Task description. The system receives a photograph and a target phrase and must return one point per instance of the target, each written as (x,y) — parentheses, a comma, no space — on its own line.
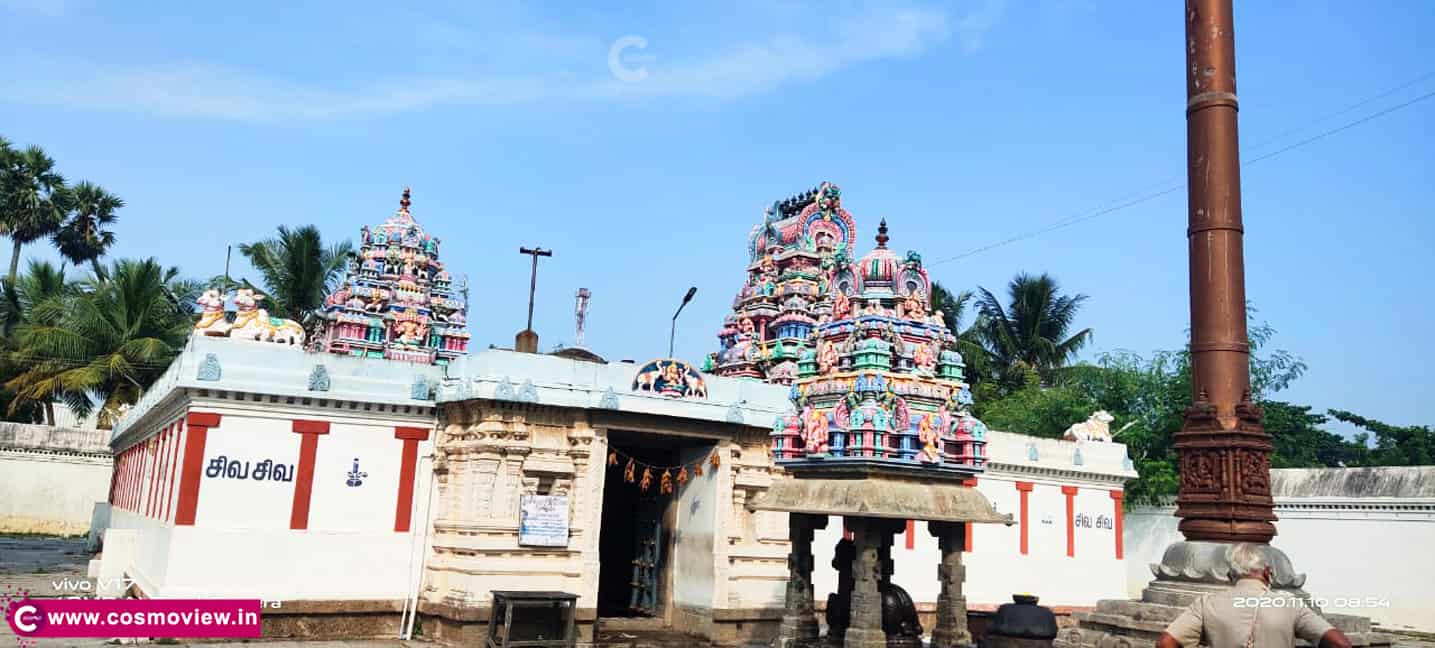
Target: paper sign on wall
(543,521)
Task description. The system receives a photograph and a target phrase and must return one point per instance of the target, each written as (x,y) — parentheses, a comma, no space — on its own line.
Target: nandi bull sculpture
(250,321)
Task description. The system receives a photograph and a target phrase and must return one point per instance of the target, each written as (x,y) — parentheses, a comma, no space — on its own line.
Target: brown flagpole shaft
(1225,454)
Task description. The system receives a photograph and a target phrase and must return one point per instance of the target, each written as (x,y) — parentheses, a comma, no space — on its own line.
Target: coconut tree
(106,342)
(32,199)
(954,307)
(1032,331)
(83,237)
(34,295)
(297,271)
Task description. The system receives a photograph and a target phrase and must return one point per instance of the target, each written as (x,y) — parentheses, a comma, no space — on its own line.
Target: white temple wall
(51,478)
(1350,551)
(996,566)
(261,538)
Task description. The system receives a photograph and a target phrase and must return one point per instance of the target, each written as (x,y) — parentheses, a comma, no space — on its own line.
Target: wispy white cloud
(757,65)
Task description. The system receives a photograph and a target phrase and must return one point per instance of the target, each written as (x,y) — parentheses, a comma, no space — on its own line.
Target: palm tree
(32,199)
(35,295)
(298,271)
(969,340)
(104,343)
(1029,334)
(83,238)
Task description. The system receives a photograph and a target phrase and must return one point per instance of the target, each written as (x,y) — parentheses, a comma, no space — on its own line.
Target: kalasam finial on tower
(882,234)
(405,202)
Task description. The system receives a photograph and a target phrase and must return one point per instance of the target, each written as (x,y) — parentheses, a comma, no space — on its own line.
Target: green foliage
(83,237)
(1148,397)
(1395,445)
(1032,331)
(33,200)
(297,271)
(101,341)
(1301,443)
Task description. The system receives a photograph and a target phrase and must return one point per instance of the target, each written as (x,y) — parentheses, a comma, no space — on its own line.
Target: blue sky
(644,166)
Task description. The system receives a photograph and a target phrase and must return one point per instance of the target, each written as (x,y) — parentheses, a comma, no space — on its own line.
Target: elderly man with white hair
(1250,614)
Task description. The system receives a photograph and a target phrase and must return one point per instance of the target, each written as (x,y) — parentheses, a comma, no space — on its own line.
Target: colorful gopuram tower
(879,382)
(792,255)
(397,301)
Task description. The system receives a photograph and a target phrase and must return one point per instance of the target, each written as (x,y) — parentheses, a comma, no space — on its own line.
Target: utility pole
(1224,451)
(581,314)
(527,340)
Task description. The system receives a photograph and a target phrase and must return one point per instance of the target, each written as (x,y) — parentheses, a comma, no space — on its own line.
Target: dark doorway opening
(635,539)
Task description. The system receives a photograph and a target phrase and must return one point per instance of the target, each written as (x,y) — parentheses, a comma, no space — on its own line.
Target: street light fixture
(673,331)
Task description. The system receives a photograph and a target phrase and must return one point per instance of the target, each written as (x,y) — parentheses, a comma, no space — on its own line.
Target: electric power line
(1073,220)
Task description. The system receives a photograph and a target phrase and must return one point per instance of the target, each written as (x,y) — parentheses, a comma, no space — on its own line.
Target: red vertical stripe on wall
(137,479)
(124,493)
(1070,493)
(304,482)
(199,424)
(169,441)
(173,463)
(1117,497)
(408,467)
(911,534)
(1025,488)
(132,478)
(159,448)
(142,459)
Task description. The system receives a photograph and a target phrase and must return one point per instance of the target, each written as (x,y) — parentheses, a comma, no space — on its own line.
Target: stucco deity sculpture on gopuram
(397,301)
(801,244)
(877,380)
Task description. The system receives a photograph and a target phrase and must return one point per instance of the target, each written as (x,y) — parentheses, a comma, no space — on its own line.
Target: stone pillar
(865,628)
(951,629)
(799,622)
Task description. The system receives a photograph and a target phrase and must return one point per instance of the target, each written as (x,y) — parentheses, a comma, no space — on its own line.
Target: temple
(792,255)
(397,302)
(879,383)
(662,498)
(881,436)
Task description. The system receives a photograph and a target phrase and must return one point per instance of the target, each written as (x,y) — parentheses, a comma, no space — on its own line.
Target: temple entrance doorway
(647,538)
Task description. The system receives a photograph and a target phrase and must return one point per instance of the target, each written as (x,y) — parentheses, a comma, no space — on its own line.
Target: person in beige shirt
(1249,614)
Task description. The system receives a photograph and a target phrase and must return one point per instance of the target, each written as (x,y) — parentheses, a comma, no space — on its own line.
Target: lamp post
(674,330)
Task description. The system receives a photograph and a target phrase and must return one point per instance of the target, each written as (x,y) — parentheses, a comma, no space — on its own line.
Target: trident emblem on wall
(356,478)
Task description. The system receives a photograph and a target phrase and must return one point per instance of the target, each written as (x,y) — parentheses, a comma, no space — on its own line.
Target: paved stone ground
(38,563)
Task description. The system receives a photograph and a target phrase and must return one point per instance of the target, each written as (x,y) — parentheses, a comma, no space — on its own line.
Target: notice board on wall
(543,521)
